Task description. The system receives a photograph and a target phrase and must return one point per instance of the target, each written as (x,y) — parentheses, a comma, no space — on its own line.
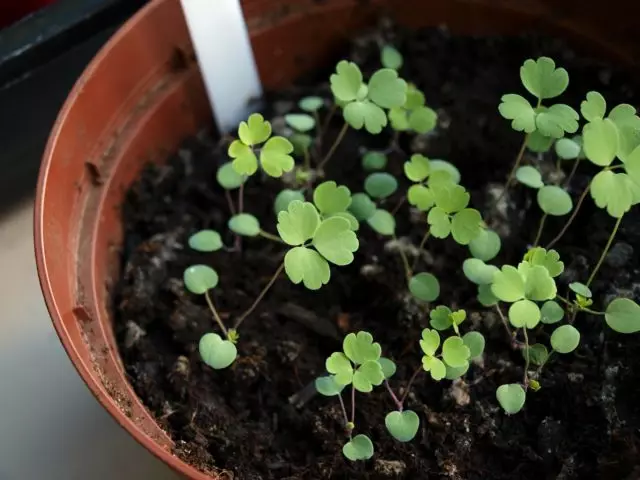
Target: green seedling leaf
(475,341)
(436,367)
(206,241)
(390,57)
(444,166)
(486,296)
(466,225)
(455,353)
(551,312)
(335,240)
(524,313)
(453,373)
(539,143)
(415,98)
(556,120)
(542,79)
(600,139)
(382,222)
(628,124)
(439,222)
(565,339)
(358,448)
(353,221)
(478,272)
(529,176)
(328,386)
(399,119)
(417,168)
(362,207)
(539,285)
(402,426)
(275,158)
(284,199)
(380,185)
(486,245)
(302,264)
(365,114)
(421,197)
(368,375)
(423,120)
(508,284)
(346,82)
(569,148)
(430,342)
(612,191)
(331,198)
(244,224)
(298,223)
(255,130)
(623,315)
(386,89)
(374,161)
(580,289)
(244,161)
(301,143)
(228,178)
(388,367)
(199,279)
(554,201)
(537,354)
(425,287)
(340,366)
(360,347)
(594,107)
(311,104)
(511,397)
(216,352)
(440,177)
(300,122)
(518,109)
(441,318)
(458,317)
(549,259)
(450,197)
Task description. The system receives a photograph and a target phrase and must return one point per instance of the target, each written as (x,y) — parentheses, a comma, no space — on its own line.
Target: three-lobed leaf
(466,225)
(386,89)
(360,347)
(455,352)
(542,79)
(275,156)
(335,240)
(298,223)
(302,264)
(612,191)
(518,109)
(594,107)
(557,120)
(346,82)
(330,198)
(430,342)
(417,168)
(255,130)
(600,141)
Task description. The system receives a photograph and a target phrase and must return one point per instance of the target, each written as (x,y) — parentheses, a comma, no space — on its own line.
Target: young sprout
(511,397)
(450,214)
(206,241)
(390,57)
(274,152)
(425,287)
(359,447)
(623,316)
(413,115)
(332,200)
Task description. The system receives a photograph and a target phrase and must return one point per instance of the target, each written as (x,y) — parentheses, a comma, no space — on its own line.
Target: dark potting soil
(255,421)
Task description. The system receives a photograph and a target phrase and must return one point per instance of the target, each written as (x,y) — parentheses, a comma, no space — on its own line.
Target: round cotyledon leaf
(466,225)
(311,104)
(524,313)
(388,367)
(374,161)
(623,315)
(244,224)
(328,386)
(511,397)
(199,279)
(386,89)
(486,245)
(478,272)
(206,241)
(362,207)
(380,185)
(581,289)
(228,178)
(359,447)
(402,426)
(529,176)
(536,353)
(551,312)
(555,201)
(476,342)
(390,57)
(424,286)
(216,352)
(300,122)
(565,339)
(382,222)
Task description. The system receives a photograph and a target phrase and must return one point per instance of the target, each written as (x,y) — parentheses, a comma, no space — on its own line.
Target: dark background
(41,56)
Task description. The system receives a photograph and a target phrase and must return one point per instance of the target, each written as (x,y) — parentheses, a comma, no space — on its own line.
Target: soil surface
(256,421)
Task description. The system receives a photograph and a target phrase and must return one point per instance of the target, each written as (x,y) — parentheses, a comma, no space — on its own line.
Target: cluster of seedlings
(318,223)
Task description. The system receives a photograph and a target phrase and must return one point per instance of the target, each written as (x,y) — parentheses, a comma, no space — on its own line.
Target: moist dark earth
(242,422)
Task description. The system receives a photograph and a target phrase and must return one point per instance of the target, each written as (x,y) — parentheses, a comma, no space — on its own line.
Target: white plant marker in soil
(223,49)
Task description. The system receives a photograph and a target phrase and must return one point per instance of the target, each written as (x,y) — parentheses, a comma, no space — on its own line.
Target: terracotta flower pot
(142,95)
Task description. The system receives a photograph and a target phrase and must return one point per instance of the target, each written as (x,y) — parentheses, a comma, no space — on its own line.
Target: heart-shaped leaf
(302,264)
(380,185)
(565,339)
(508,284)
(362,207)
(551,312)
(478,272)
(331,198)
(580,289)
(284,199)
(402,426)
(440,318)
(553,200)
(216,352)
(365,114)
(439,222)
(382,222)
(475,341)
(340,366)
(244,224)
(612,191)
(430,342)
(298,223)
(386,89)
(594,107)
(556,120)
(358,448)
(360,347)
(245,162)
(255,130)
(511,397)
(417,168)
(486,245)
(425,287)
(368,375)
(549,259)
(346,82)
(455,352)
(335,241)
(542,79)
(388,367)
(199,279)
(450,197)
(328,386)
(524,313)
(374,161)
(275,158)
(529,176)
(436,368)
(206,241)
(421,197)
(518,109)
(623,315)
(228,178)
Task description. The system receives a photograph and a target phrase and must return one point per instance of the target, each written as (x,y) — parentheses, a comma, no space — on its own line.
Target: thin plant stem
(573,171)
(564,300)
(270,236)
(393,395)
(592,312)
(232,208)
(512,174)
(410,384)
(540,228)
(241,198)
(344,409)
(307,160)
(353,404)
(395,138)
(540,367)
(605,251)
(260,297)
(395,209)
(327,121)
(504,322)
(568,223)
(332,150)
(405,261)
(215,314)
(526,357)
(316,117)
(420,247)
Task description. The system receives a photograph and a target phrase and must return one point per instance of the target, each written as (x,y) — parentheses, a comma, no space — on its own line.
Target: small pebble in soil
(390,468)
(134,334)
(459,392)
(619,255)
(575,377)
